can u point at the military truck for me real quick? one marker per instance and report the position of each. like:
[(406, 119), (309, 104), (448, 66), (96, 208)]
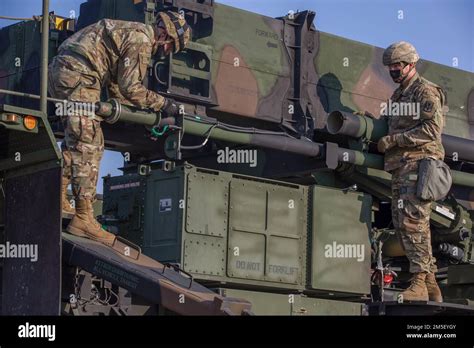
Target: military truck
[(267, 188)]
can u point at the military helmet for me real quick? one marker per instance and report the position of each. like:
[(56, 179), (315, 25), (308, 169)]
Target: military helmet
[(177, 29), (401, 51)]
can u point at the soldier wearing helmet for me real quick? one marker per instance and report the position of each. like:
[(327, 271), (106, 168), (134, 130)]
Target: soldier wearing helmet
[(410, 139), (176, 28), (113, 54)]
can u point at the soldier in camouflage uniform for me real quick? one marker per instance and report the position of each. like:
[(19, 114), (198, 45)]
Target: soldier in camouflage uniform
[(113, 54), (410, 139)]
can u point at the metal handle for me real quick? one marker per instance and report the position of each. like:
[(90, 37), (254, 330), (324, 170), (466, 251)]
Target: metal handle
[(176, 268), (127, 242)]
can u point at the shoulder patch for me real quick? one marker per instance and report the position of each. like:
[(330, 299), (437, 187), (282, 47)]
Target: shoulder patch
[(427, 106), (434, 89)]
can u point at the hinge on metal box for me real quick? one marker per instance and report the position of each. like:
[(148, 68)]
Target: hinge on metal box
[(144, 169)]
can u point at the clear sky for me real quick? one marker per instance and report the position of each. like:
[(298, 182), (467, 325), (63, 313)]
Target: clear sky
[(440, 29)]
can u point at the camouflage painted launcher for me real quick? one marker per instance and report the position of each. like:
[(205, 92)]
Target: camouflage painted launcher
[(266, 73), (263, 73), (250, 69), (279, 70)]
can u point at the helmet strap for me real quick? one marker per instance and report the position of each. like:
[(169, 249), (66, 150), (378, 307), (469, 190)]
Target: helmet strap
[(402, 77), (405, 76), (180, 30)]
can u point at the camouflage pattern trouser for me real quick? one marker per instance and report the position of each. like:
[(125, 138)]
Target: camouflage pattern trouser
[(411, 218), (83, 145)]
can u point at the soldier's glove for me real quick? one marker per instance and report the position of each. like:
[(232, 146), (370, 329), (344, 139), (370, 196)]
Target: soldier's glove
[(386, 143), (170, 108)]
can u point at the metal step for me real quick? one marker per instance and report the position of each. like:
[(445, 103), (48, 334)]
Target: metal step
[(159, 283)]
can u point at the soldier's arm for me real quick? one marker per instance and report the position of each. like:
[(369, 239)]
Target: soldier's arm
[(114, 92), (132, 67), (431, 125)]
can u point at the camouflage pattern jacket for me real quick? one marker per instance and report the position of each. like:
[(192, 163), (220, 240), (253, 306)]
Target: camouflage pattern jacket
[(418, 134), (119, 51)]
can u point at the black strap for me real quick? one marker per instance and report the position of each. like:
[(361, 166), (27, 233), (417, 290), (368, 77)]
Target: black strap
[(179, 29)]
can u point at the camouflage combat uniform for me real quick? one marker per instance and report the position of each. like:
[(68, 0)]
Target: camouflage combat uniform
[(110, 53), (416, 138)]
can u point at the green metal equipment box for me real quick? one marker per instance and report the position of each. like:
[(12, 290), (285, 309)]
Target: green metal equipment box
[(227, 228), (218, 226), (339, 237)]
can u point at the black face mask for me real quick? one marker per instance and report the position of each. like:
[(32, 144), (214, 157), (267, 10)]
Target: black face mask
[(395, 74)]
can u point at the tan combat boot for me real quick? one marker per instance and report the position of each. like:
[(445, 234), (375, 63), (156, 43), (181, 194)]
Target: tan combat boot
[(417, 290), (84, 224), (434, 293), (66, 204)]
